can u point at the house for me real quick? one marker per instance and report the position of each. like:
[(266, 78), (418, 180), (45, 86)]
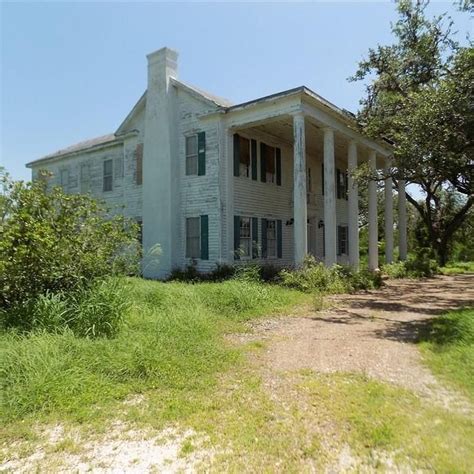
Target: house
[(213, 182)]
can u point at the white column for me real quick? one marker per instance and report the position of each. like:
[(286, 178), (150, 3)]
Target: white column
[(300, 213), (402, 220), (353, 206), (388, 214), (373, 230), (229, 198), (329, 199)]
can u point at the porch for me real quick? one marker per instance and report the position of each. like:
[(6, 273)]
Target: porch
[(319, 149)]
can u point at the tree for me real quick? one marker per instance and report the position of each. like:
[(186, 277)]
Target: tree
[(52, 242), (422, 99)]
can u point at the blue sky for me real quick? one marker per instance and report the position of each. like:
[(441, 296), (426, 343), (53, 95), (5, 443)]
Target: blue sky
[(72, 71)]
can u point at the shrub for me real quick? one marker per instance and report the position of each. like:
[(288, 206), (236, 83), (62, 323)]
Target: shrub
[(315, 277), (189, 273), (54, 243), (417, 266), (95, 311)]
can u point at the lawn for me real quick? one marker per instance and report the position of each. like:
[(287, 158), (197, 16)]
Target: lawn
[(448, 348), (176, 362)]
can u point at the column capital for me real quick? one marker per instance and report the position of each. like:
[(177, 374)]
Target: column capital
[(298, 114)]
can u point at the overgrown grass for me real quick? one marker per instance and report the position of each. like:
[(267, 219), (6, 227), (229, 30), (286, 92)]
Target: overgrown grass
[(171, 341), (454, 268), (448, 347), (386, 426)]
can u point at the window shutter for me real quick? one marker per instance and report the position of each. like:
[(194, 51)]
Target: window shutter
[(322, 179), (201, 153), (204, 237), (254, 159), (139, 164), (118, 167), (279, 239), (264, 238), (263, 164), (278, 166), (338, 239), (254, 237), (338, 183), (236, 237), (346, 186), (236, 155)]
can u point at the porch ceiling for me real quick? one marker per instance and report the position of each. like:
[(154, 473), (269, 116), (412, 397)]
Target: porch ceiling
[(282, 129)]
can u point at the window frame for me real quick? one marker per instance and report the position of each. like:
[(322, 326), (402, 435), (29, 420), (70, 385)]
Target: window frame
[(274, 174), (249, 238), (343, 229), (108, 176), (188, 249), (188, 156), (274, 239), (64, 172), (248, 174)]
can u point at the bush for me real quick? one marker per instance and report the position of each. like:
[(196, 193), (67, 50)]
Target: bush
[(417, 266), (54, 243), (95, 311), (315, 277)]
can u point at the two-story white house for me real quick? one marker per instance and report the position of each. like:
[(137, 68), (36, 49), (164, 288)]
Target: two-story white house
[(213, 182)]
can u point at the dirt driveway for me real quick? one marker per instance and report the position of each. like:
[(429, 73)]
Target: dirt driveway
[(371, 333)]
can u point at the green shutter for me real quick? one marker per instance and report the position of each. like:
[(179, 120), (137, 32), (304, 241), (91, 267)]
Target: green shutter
[(254, 159), (263, 164), (264, 238), (279, 239), (201, 153), (236, 154), (204, 237), (338, 183), (236, 237), (322, 179), (346, 187), (338, 239), (278, 166), (254, 237)]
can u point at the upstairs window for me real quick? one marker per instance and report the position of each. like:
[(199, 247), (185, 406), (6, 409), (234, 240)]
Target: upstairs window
[(244, 157), (64, 178), (191, 155), (268, 164), (108, 176), (341, 184), (85, 177)]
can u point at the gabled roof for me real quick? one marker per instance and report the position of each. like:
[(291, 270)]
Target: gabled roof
[(81, 146)]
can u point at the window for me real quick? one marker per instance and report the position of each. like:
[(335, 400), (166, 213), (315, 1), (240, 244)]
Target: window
[(193, 237), (245, 237), (309, 181), (64, 178), (191, 155), (139, 164), (244, 157), (271, 238), (268, 163), (342, 247), (108, 175), (341, 184)]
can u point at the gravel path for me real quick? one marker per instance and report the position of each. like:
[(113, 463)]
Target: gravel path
[(371, 333)]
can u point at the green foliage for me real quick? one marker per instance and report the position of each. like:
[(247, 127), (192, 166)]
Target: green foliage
[(315, 277), (448, 345), (170, 342), (454, 268), (54, 242), (94, 311), (420, 97), (417, 265)]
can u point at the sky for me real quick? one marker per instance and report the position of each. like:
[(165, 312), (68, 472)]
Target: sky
[(73, 71)]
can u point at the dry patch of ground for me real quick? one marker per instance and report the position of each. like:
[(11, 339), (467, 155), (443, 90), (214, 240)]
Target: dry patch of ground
[(121, 449), (371, 333)]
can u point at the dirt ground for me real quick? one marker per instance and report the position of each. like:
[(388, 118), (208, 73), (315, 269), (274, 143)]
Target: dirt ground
[(370, 333)]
